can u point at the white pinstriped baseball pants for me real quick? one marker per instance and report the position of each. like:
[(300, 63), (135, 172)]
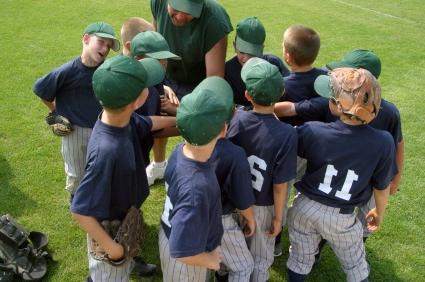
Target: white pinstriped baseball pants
[(101, 271), (236, 256), (174, 270), (362, 212), (261, 245), (309, 221), (74, 151)]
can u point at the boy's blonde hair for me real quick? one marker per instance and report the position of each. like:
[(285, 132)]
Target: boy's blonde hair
[(302, 43), (134, 26)]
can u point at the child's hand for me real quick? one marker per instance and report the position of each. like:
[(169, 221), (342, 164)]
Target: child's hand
[(373, 220), (168, 107), (275, 228), (215, 259), (169, 93), (116, 251), (249, 228)]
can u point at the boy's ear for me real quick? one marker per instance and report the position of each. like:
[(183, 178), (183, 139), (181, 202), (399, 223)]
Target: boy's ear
[(287, 57), (247, 96), (127, 45), (86, 38)]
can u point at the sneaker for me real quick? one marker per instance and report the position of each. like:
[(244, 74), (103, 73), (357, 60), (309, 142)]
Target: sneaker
[(155, 172), (278, 250), (143, 269)]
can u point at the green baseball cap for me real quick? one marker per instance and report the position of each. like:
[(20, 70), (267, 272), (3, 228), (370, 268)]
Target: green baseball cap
[(151, 44), (322, 85), (359, 58), (250, 36), (121, 79), (192, 7), (263, 81), (203, 113), (223, 91), (104, 30)]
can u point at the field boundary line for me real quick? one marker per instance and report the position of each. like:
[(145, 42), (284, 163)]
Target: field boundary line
[(375, 11)]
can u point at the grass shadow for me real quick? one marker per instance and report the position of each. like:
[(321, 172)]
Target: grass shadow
[(12, 201)]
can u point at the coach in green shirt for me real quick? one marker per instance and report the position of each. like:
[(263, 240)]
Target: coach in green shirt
[(196, 30)]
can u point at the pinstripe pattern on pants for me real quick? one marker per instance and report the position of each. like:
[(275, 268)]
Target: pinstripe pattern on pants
[(309, 221), (362, 212), (174, 270), (261, 245), (74, 151), (236, 256), (101, 271)]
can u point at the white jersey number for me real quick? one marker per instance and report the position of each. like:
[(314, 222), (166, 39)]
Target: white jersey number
[(344, 193), (168, 206), (257, 184)]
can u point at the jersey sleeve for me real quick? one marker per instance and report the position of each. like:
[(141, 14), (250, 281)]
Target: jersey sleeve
[(93, 195), (47, 86), (217, 26), (143, 125), (241, 193), (313, 109), (286, 160), (387, 167), (189, 226)]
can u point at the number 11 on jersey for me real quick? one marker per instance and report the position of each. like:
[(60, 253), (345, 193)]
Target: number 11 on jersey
[(344, 193)]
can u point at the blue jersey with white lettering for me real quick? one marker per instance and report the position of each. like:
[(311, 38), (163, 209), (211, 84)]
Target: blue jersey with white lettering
[(192, 212), (270, 146), (317, 109), (70, 86), (344, 162), (232, 74), (115, 177), (233, 175)]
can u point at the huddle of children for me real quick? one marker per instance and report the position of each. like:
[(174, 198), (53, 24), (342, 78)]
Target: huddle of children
[(228, 183)]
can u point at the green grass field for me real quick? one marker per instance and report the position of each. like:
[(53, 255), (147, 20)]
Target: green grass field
[(37, 36)]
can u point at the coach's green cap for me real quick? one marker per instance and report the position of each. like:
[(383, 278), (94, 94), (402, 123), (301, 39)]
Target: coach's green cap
[(103, 30), (250, 36), (121, 79), (151, 44), (202, 114), (359, 58), (263, 81), (192, 7)]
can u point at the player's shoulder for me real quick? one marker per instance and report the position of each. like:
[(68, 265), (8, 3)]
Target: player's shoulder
[(390, 108), (226, 149)]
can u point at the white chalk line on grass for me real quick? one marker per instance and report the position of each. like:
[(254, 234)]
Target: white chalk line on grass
[(376, 12)]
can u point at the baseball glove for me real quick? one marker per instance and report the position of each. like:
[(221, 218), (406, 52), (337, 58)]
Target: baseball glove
[(131, 232), (21, 253), (61, 126)]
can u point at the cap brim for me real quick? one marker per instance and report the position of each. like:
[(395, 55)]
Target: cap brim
[(249, 48), (155, 70), (190, 7), (161, 55), (339, 64), (116, 42), (322, 85)]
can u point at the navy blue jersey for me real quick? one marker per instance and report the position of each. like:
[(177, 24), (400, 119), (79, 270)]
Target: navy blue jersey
[(115, 177), (344, 163), (271, 149), (233, 175), (388, 119), (300, 86), (70, 86), (152, 106), (232, 73), (192, 211)]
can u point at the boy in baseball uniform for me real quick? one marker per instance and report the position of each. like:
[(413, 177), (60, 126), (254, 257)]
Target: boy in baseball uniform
[(191, 227), (67, 91), (270, 146), (347, 162)]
